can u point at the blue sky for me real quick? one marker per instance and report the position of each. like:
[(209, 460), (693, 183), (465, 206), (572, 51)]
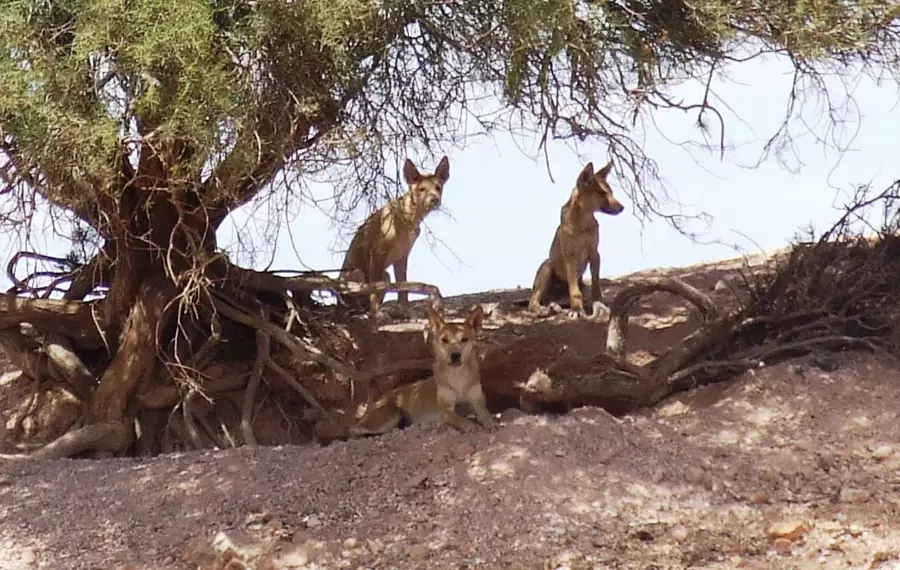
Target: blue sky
[(503, 207)]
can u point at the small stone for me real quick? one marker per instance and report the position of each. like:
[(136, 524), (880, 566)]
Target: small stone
[(854, 495), (256, 519), (679, 533), (674, 409), (417, 481), (463, 450), (882, 452), (736, 561), (694, 474), (312, 521), (28, 557), (855, 530), (293, 558), (788, 529), (239, 544), (783, 546), (721, 286), (760, 498), (350, 543), (418, 552)]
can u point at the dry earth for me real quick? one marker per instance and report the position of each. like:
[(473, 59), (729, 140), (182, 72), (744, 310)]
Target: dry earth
[(794, 465)]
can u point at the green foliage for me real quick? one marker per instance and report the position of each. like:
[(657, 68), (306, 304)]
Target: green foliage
[(241, 89)]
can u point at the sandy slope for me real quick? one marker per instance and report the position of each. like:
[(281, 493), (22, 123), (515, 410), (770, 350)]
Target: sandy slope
[(697, 483)]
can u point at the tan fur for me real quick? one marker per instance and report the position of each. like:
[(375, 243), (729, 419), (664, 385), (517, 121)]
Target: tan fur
[(456, 380), (387, 237), (575, 244)]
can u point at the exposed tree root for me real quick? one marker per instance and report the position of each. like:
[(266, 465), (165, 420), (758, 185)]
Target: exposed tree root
[(825, 296), (102, 437), (262, 357), (828, 295), (624, 301), (187, 416)]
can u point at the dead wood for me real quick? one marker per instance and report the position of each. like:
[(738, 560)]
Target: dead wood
[(616, 345), (262, 356), (307, 283), (74, 319), (100, 437), (67, 366), (828, 295)]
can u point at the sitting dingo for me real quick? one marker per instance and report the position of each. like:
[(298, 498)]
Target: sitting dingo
[(387, 237), (576, 242)]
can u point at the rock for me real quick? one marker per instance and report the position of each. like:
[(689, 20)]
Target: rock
[(463, 451), (680, 533), (882, 452), (790, 530), (694, 474), (721, 286), (417, 481), (239, 544), (418, 552), (854, 495), (760, 498), (673, 409), (783, 546), (256, 519), (855, 530), (294, 558), (312, 521), (350, 543)]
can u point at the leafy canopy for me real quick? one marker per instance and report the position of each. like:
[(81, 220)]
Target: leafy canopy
[(219, 96)]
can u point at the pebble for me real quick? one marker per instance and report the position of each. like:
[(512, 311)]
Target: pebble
[(854, 495), (694, 474), (679, 533), (463, 450), (788, 529), (783, 546), (759, 498), (882, 452), (418, 552)]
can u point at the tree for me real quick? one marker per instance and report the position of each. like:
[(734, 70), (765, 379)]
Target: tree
[(147, 123)]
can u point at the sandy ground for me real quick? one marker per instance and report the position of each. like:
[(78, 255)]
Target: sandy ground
[(794, 465), (697, 483)]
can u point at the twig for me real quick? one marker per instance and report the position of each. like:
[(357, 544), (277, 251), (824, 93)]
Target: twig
[(263, 343), (293, 383), (187, 415)]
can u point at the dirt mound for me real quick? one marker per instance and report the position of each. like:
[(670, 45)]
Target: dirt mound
[(793, 465), (697, 483)]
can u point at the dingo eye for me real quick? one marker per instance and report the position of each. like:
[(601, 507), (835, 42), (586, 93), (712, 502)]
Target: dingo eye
[(445, 340), (464, 340)]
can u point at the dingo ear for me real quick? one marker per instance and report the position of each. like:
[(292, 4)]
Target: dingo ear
[(475, 318), (443, 170), (411, 173), (586, 178), (604, 172), (435, 321)]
